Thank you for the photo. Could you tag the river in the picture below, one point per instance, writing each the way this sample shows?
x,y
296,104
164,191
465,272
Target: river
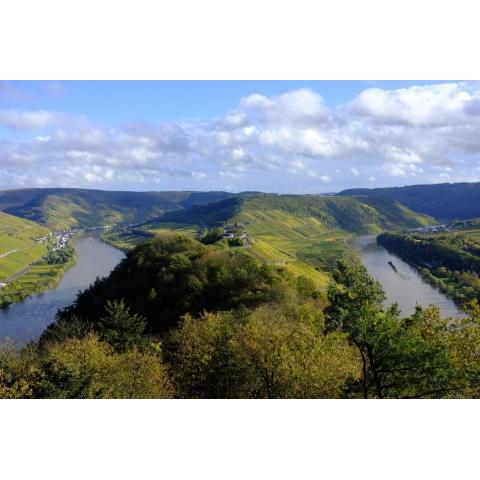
x,y
26,320
405,285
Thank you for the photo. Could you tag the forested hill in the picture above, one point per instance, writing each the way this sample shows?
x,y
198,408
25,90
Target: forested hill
x,y
346,213
63,208
444,201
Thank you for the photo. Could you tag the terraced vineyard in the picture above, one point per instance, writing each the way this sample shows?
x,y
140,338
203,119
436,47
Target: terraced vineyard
x,y
302,244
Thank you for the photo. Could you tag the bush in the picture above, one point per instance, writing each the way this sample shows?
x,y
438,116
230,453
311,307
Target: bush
x,y
83,368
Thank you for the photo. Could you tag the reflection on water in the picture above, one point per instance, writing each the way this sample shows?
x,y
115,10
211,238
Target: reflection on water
x,y
26,320
402,284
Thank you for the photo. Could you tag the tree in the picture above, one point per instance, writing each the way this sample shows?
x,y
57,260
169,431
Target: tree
x,y
90,368
121,328
168,277
401,358
19,370
271,352
356,307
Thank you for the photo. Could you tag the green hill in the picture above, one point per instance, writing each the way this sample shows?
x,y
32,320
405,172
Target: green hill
x,y
360,215
304,233
445,201
64,208
17,244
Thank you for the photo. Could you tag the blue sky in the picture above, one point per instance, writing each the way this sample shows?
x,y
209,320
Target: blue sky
x,y
283,136
114,102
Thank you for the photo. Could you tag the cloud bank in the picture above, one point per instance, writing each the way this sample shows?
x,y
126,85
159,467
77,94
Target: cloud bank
x,y
290,142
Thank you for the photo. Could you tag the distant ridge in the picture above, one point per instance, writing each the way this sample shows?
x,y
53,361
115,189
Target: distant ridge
x,y
63,208
444,201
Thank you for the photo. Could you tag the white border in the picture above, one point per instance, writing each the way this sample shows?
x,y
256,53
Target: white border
x,y
233,39
248,39
239,439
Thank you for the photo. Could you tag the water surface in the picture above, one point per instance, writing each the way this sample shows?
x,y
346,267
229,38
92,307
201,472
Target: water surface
x,y
26,320
405,285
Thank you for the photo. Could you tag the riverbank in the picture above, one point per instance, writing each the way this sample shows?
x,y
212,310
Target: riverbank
x,y
449,261
404,284
37,279
27,319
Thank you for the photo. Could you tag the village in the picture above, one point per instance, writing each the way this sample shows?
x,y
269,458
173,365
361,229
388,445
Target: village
x,y
448,227
57,240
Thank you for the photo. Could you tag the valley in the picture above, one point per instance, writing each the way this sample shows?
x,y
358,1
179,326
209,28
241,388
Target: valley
x,y
304,234
211,281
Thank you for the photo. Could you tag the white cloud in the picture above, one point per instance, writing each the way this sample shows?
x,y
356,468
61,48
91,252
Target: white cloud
x,y
405,135
35,120
296,107
431,105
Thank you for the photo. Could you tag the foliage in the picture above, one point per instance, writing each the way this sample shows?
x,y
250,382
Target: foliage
x,y
212,236
271,352
236,242
401,358
59,256
82,368
169,276
121,328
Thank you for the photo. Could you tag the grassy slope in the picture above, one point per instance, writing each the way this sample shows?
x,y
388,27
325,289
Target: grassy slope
x,y
304,233
18,234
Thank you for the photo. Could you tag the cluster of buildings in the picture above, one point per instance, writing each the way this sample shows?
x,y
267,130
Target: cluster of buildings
x,y
234,231
449,227
433,229
60,238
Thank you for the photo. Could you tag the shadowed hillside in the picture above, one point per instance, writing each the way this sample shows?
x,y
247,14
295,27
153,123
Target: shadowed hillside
x,y
445,201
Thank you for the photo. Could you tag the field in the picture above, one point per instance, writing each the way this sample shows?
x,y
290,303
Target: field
x,y
17,245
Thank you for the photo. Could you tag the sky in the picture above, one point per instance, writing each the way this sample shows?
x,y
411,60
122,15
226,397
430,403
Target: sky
x,y
271,136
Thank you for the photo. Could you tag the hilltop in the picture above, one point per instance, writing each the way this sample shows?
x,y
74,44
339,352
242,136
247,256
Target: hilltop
x,y
445,201
360,215
64,208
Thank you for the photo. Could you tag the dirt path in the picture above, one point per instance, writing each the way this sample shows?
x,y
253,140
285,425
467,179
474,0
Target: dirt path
x,y
6,254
